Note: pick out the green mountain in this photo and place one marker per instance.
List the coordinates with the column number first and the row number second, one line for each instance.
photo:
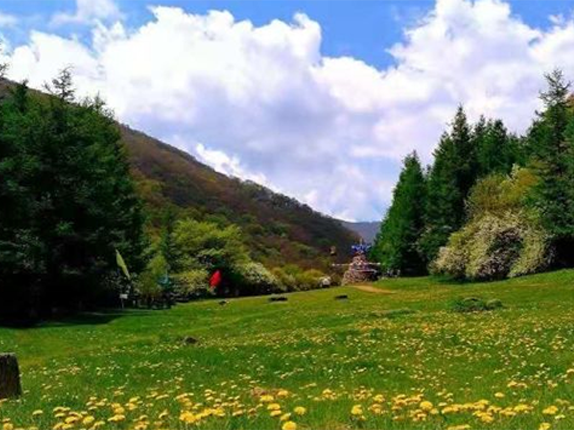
column 279, row 230
column 367, row 230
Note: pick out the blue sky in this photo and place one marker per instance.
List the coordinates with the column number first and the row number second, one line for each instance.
column 363, row 29
column 319, row 99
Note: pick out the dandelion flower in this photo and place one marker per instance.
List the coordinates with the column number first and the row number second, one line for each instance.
column 426, row 406
column 550, row 410
column 289, row 425
column 300, row 410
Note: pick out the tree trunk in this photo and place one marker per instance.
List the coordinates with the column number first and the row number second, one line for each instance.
column 9, row 377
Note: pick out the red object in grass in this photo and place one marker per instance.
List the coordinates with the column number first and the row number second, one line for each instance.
column 215, row 279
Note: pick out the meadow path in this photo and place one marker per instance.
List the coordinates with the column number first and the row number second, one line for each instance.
column 371, row 289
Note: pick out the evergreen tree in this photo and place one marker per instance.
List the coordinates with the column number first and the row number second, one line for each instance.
column 494, row 147
column 396, row 244
column 444, row 204
column 68, row 202
column 551, row 143
column 451, row 177
column 464, row 151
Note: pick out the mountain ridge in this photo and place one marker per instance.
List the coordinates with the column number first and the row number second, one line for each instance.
column 280, row 230
column 367, row 230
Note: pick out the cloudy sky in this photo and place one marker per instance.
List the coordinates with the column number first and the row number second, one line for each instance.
column 317, row 99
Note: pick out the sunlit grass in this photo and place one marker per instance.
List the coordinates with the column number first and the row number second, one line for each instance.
column 400, row 360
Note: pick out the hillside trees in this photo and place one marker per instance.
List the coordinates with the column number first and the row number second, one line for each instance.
column 67, row 202
column 396, row 245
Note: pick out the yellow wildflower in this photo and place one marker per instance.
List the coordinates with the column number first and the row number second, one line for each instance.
column 300, row 410
column 550, row 410
column 426, row 406
column 289, row 425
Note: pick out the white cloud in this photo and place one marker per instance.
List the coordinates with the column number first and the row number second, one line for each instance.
column 7, row 20
column 267, row 105
column 88, row 12
column 230, row 166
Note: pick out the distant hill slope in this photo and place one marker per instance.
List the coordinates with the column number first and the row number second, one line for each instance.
column 367, row 230
column 278, row 230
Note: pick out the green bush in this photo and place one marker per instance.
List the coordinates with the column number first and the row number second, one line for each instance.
column 286, row 281
column 257, row 279
column 293, row 278
column 192, row 284
column 495, row 247
column 474, row 304
column 148, row 284
column 310, row 279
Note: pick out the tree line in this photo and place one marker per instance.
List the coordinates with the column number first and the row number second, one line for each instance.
column 492, row 204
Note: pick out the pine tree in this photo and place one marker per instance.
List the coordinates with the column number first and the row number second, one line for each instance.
column 497, row 151
column 444, row 204
column 67, row 203
column 451, row 177
column 396, row 246
column 464, row 151
column 551, row 143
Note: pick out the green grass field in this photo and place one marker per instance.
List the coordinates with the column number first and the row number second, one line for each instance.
column 396, row 360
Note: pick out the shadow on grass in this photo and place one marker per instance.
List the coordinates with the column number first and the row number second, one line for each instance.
column 99, row 317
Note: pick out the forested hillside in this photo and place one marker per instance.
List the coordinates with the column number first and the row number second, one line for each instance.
column 279, row 230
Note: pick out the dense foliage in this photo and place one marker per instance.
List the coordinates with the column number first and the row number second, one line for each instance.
column 503, row 237
column 551, row 143
column 404, row 223
column 197, row 250
column 67, row 203
column 482, row 219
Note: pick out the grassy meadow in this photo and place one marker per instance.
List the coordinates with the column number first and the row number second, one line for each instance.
column 395, row 359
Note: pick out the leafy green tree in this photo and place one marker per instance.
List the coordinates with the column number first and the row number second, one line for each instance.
column 551, row 144
column 465, row 152
column 210, row 247
column 396, row 245
column 149, row 283
column 444, row 207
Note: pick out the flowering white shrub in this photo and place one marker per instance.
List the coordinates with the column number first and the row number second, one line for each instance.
column 258, row 278
column 500, row 240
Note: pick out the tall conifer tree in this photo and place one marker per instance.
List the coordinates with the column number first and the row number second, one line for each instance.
column 551, row 143
column 451, row 177
column 495, row 148
column 396, row 246
column 67, row 203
